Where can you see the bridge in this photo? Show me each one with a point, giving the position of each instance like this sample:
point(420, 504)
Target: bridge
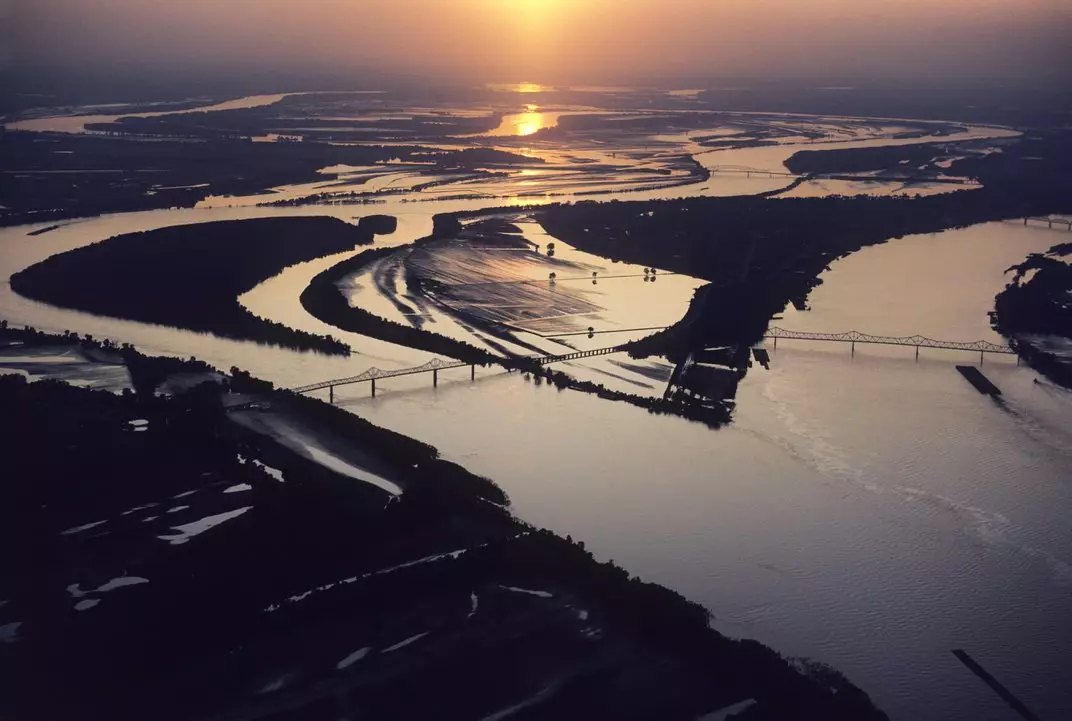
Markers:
point(435, 365)
point(881, 177)
point(1051, 221)
point(773, 333)
point(981, 346)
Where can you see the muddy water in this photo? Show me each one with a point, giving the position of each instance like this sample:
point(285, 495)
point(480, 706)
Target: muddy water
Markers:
point(568, 175)
point(77, 123)
point(871, 512)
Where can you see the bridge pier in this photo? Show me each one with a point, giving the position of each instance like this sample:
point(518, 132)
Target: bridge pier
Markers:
point(472, 372)
point(331, 395)
point(917, 354)
point(435, 378)
point(854, 349)
point(373, 387)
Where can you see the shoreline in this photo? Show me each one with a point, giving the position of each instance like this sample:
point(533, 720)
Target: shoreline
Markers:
point(643, 620)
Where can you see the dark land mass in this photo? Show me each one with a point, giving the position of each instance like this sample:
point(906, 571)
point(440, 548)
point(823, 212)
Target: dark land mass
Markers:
point(895, 159)
point(761, 254)
point(323, 299)
point(54, 176)
point(191, 276)
point(320, 595)
point(1016, 104)
point(320, 117)
point(1039, 305)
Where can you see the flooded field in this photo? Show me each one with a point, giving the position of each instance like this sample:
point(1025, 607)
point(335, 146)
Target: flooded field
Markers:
point(580, 153)
point(853, 499)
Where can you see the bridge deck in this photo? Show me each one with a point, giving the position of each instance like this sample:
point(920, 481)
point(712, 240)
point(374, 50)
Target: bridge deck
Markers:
point(915, 341)
point(774, 332)
point(436, 364)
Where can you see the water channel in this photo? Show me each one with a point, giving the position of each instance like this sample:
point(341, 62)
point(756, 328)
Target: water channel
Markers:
point(869, 511)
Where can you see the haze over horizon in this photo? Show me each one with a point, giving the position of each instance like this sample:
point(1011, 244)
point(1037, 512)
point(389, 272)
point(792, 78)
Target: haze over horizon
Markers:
point(555, 41)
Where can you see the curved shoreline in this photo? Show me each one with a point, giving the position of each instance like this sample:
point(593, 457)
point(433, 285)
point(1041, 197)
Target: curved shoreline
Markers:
point(119, 276)
point(303, 519)
point(1038, 306)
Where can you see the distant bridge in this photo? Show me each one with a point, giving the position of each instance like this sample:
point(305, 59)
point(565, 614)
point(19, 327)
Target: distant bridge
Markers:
point(886, 177)
point(435, 365)
point(917, 341)
point(1051, 222)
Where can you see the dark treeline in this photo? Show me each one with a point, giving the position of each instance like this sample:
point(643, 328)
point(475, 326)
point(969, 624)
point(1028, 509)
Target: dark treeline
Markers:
point(191, 276)
point(895, 158)
point(1039, 305)
point(146, 372)
point(1017, 104)
point(761, 254)
point(216, 621)
point(325, 301)
point(412, 463)
point(377, 196)
point(151, 175)
point(300, 115)
point(714, 415)
point(1033, 165)
point(161, 173)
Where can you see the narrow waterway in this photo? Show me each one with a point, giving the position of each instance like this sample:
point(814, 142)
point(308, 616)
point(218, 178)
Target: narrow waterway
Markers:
point(869, 511)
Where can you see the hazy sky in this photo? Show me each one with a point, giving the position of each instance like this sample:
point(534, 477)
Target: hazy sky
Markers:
point(558, 40)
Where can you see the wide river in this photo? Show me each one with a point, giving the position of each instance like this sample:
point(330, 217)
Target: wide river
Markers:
point(869, 511)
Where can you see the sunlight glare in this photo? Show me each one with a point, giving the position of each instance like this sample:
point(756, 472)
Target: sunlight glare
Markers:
point(529, 124)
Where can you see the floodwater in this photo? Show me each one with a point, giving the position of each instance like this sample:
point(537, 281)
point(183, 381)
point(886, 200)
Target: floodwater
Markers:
point(527, 123)
point(645, 167)
point(77, 123)
point(870, 511)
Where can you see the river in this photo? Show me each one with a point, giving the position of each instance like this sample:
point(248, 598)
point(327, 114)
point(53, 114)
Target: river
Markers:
point(870, 511)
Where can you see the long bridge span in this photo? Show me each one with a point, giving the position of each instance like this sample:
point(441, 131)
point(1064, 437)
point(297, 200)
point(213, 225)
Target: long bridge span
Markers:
point(883, 177)
point(435, 365)
point(918, 341)
point(774, 333)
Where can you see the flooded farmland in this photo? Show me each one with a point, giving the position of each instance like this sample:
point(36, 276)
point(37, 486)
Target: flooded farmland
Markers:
point(821, 519)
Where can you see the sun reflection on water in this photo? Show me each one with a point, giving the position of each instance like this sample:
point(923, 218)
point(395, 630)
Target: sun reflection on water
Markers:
point(529, 124)
point(525, 124)
point(520, 88)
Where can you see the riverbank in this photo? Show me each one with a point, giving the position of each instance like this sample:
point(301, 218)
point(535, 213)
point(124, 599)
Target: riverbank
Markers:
point(324, 301)
point(241, 549)
point(461, 284)
point(923, 490)
point(1033, 312)
point(779, 248)
point(191, 276)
